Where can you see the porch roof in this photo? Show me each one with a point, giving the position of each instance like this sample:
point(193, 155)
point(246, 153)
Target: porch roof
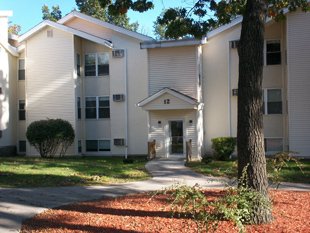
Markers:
point(183, 101)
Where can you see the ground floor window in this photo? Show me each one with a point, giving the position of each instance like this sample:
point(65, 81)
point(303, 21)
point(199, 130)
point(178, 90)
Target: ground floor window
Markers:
point(22, 146)
point(98, 145)
point(79, 146)
point(273, 144)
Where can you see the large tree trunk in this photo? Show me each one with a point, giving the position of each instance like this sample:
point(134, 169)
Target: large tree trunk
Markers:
point(250, 138)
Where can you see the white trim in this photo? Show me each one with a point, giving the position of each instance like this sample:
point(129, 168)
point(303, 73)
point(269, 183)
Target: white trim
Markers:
point(97, 108)
point(168, 91)
point(12, 50)
point(101, 23)
point(225, 27)
point(97, 69)
point(171, 43)
point(64, 28)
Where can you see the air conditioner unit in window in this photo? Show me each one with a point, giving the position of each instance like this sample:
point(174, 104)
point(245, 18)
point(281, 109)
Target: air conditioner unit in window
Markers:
point(119, 142)
point(235, 92)
point(234, 44)
point(118, 97)
point(118, 53)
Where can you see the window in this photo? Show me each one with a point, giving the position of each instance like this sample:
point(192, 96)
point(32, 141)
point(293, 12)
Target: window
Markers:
point(273, 52)
point(21, 110)
point(79, 146)
point(78, 65)
point(98, 145)
point(22, 146)
point(97, 107)
point(97, 64)
point(21, 69)
point(78, 103)
point(273, 98)
point(273, 144)
point(104, 107)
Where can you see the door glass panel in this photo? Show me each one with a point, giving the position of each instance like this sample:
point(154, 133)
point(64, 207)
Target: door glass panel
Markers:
point(176, 137)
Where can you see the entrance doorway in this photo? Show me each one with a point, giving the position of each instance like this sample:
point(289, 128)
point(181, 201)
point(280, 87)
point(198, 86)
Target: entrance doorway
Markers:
point(176, 137)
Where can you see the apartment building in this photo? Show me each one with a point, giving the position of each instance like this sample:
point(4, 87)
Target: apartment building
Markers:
point(120, 89)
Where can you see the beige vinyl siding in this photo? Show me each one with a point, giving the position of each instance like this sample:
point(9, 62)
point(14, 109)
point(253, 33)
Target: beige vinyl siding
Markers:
point(161, 132)
point(298, 55)
point(8, 107)
point(175, 68)
point(90, 28)
point(49, 84)
point(220, 73)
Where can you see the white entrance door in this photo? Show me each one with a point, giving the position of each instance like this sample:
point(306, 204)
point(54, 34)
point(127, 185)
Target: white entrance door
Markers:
point(176, 138)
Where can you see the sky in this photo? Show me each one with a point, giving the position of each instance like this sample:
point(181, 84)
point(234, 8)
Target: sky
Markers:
point(27, 13)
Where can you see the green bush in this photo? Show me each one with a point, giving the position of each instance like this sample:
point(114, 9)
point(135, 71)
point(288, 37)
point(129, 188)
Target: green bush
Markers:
point(223, 147)
point(50, 136)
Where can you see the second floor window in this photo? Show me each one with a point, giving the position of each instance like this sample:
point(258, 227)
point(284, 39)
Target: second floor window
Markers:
point(78, 103)
point(21, 69)
point(97, 107)
point(273, 52)
point(97, 64)
point(21, 110)
point(78, 64)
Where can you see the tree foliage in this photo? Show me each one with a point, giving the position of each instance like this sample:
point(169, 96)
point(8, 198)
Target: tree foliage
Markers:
point(94, 9)
point(53, 15)
point(50, 136)
point(14, 29)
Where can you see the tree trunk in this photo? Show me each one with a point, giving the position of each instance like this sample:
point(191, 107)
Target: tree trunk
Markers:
point(250, 138)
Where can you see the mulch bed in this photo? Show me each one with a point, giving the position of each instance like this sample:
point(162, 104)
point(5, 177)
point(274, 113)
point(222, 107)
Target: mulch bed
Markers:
point(138, 213)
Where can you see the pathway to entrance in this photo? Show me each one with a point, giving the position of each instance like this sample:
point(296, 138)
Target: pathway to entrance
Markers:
point(19, 204)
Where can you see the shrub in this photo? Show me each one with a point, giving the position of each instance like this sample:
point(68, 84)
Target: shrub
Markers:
point(223, 147)
point(50, 136)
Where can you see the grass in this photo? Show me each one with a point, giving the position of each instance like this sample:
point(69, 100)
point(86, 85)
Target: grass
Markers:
point(290, 173)
point(68, 171)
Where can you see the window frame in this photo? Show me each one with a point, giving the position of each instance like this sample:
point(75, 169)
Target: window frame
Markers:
point(21, 110)
point(79, 107)
point(21, 72)
point(19, 146)
point(97, 64)
point(78, 65)
point(98, 148)
point(266, 52)
point(97, 108)
point(265, 101)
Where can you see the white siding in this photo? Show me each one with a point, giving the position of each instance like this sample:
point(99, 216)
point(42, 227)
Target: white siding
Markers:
point(175, 68)
point(298, 53)
point(49, 83)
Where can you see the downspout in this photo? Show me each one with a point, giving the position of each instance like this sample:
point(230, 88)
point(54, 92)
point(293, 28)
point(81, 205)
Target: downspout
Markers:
point(229, 91)
point(126, 105)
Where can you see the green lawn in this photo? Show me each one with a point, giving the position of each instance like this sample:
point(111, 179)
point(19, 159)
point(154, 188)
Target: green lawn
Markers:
point(291, 173)
point(39, 172)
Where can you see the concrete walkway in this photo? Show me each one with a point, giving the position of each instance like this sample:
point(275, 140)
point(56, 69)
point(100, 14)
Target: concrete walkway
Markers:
point(19, 204)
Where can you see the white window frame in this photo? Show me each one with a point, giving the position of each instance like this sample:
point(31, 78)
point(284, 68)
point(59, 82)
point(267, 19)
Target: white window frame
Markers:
point(97, 108)
point(265, 51)
point(19, 109)
point(19, 69)
point(101, 139)
point(96, 64)
point(265, 100)
point(79, 107)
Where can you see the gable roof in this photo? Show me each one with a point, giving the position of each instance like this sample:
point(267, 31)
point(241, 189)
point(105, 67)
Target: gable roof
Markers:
point(12, 50)
point(170, 91)
point(64, 28)
point(76, 14)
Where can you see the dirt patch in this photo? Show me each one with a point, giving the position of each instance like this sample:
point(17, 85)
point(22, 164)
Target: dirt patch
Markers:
point(139, 213)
